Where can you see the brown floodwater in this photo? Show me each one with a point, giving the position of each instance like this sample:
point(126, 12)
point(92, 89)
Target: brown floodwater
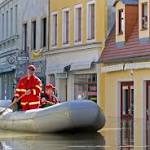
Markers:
point(117, 135)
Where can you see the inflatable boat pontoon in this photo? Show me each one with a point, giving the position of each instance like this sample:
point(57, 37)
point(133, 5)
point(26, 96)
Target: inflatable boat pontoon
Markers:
point(70, 115)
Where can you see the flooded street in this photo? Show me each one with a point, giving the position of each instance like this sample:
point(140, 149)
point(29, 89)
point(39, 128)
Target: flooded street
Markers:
point(130, 135)
point(20, 141)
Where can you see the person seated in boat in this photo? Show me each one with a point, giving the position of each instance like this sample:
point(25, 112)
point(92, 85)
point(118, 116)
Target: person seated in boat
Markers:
point(48, 97)
point(29, 90)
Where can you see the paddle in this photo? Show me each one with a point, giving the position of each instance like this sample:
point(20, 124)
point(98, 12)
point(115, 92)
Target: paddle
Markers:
point(49, 102)
point(14, 102)
point(52, 103)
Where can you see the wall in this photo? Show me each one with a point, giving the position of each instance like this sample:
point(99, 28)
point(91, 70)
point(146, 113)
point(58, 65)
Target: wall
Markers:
point(101, 21)
point(31, 10)
point(110, 90)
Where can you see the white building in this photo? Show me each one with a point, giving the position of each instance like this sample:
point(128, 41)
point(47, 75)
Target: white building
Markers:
point(9, 40)
point(34, 33)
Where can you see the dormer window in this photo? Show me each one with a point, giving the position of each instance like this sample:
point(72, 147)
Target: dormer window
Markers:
point(120, 21)
point(144, 20)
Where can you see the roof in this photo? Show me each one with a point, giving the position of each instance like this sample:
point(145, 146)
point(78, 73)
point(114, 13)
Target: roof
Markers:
point(127, 2)
point(133, 49)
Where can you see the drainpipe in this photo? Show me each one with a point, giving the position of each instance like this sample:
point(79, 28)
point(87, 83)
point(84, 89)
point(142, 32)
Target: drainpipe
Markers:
point(48, 37)
point(49, 29)
point(67, 69)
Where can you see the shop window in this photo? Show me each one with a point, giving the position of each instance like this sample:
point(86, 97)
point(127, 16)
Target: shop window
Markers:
point(85, 87)
point(144, 20)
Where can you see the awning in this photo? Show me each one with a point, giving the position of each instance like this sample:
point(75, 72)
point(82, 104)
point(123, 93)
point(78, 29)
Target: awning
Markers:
point(60, 68)
point(57, 68)
point(81, 65)
point(7, 68)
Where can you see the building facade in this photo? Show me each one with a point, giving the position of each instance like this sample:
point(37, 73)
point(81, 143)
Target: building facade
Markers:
point(125, 74)
point(77, 34)
point(34, 35)
point(125, 70)
point(9, 40)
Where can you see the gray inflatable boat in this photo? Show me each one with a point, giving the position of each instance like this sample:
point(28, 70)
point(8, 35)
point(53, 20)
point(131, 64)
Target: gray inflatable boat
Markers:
point(84, 115)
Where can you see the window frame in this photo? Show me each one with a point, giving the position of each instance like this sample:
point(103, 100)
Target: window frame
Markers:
point(52, 29)
point(142, 16)
point(33, 45)
point(121, 21)
point(89, 39)
point(7, 24)
point(3, 26)
point(42, 33)
point(16, 19)
point(11, 21)
point(65, 43)
point(25, 40)
point(76, 29)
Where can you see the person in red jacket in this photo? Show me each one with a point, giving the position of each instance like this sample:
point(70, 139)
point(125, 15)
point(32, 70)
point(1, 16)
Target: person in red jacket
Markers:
point(30, 87)
point(48, 98)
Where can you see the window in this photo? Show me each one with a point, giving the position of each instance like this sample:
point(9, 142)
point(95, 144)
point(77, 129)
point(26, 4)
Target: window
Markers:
point(120, 21)
point(144, 16)
point(16, 18)
point(52, 79)
point(78, 23)
point(65, 27)
point(91, 21)
point(7, 24)
point(11, 21)
point(44, 30)
point(54, 29)
point(85, 87)
point(3, 29)
point(33, 39)
point(25, 36)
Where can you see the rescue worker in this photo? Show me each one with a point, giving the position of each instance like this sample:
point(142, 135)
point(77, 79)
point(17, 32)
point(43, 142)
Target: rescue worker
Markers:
point(48, 98)
point(30, 87)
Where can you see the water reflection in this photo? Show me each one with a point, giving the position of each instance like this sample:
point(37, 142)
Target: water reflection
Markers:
point(127, 134)
point(54, 142)
point(117, 135)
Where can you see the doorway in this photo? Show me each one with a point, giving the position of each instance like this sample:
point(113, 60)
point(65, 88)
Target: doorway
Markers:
point(127, 100)
point(147, 113)
point(127, 113)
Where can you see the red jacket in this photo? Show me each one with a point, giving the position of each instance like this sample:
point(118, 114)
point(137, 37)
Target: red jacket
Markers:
point(31, 101)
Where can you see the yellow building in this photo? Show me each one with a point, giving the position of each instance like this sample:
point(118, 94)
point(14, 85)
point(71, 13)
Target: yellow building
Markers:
point(77, 36)
point(125, 68)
